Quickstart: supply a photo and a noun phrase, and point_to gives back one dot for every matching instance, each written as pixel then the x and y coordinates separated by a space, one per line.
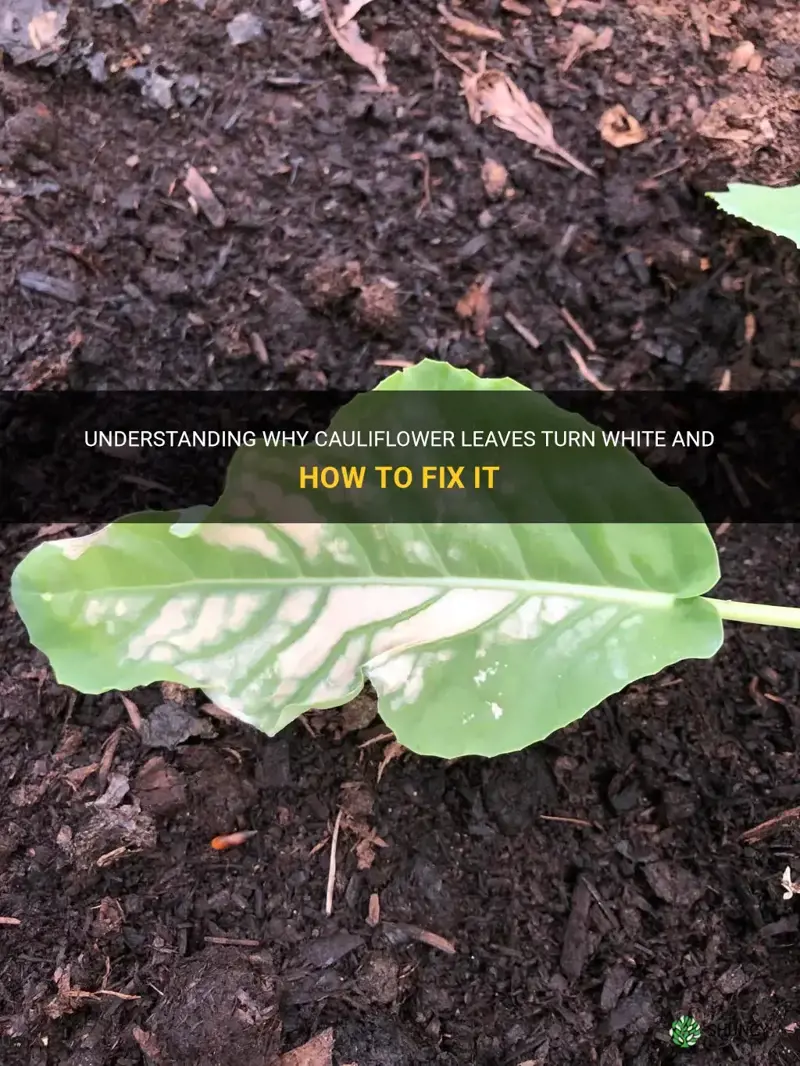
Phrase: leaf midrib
pixel 602 593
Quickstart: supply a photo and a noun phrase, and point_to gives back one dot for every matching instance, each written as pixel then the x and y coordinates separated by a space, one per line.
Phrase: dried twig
pixel 413 932
pixel 467 27
pixel 233 941
pixel 374 912
pixel 375 740
pixel 107 760
pixel 771 826
pixel 578 330
pixel 425 202
pixel 584 370
pixel 332 866
pixel 569 821
pixel 522 330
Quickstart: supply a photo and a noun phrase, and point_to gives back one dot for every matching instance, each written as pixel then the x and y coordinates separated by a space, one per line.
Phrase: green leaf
pixel 777 210
pixel 479 638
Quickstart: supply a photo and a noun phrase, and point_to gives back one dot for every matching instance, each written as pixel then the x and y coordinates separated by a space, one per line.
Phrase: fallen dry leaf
pixel 318 1051
pixel 582 38
pixel 467 27
pixel 147 1042
pixel 733 118
pixel 349 11
pixel 476 305
pixel 349 39
pixel 202 194
pixel 492 93
pixel 619 129
pixel 495 179
pixel 366 849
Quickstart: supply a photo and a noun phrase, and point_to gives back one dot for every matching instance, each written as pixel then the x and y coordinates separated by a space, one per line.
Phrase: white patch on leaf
pixel 237 662
pixel 76 546
pixel 307 536
pixel 484 675
pixel 297 606
pixel 240 538
pixel 94 612
pixel 534 614
pixel 452 614
pixel 162 653
pixel 244 606
pixel 173 618
pixel 346 609
pixel 208 626
pixel 341 551
pixel 419 551
pixel 573 637
pixel 341 676
pixel 496 709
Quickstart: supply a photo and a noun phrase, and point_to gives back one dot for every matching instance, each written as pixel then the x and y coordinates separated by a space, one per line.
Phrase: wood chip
pixel 374 912
pixel 133 712
pixel 516 8
pixel 147 1042
pixel 10 921
pixel 495 179
pixel 47 285
pixel 492 93
pixel 619 129
pixel 203 195
pixel 476 305
pixel 741 56
pixel 468 28
pixel 318 1051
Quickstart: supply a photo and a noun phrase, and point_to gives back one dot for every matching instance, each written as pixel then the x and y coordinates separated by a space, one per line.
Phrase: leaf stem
pixel 760 614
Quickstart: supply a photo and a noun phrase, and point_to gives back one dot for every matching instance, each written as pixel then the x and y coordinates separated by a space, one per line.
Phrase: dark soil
pixel 594 887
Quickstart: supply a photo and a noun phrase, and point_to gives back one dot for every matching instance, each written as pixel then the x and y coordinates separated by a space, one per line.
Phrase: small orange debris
pixel 495 179
pixel 374 913
pixel 620 129
pixel 232 840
